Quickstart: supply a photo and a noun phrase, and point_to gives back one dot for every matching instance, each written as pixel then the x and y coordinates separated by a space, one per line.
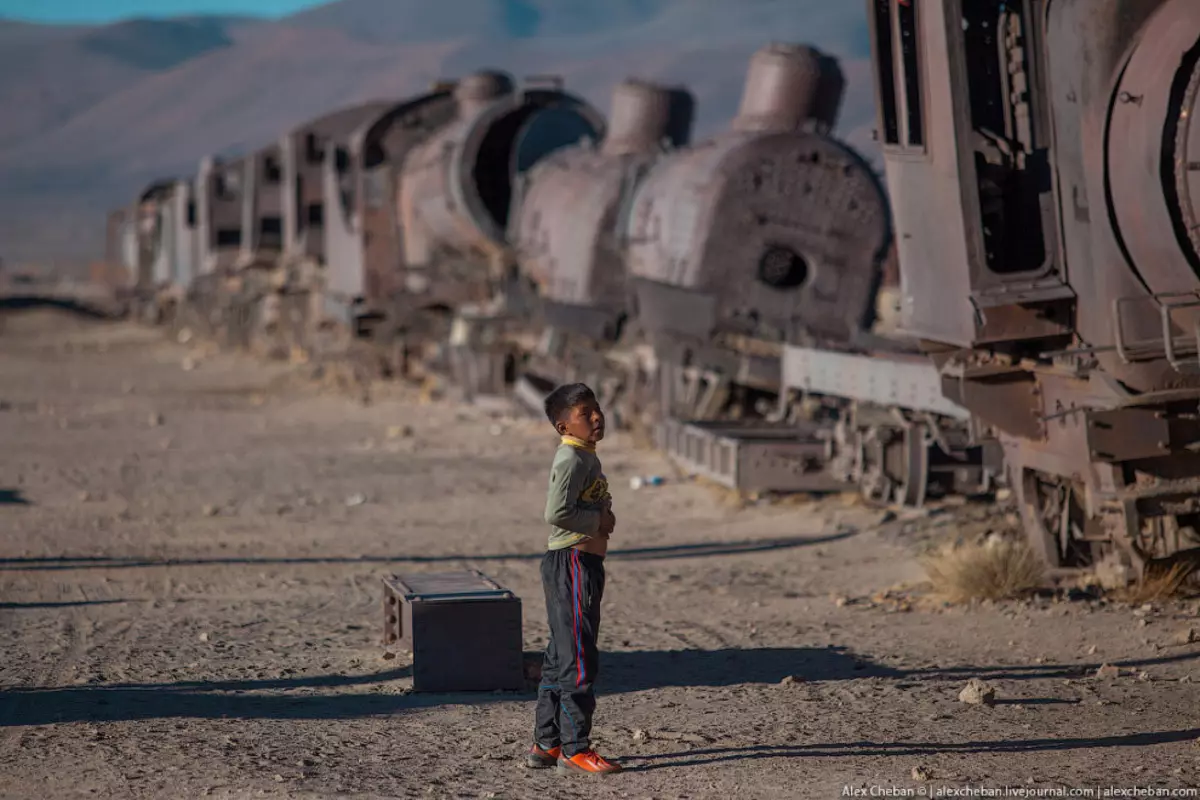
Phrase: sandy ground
pixel 190 606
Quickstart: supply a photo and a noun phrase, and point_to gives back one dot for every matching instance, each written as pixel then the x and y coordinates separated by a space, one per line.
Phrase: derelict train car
pixel 425 196
pixel 568 243
pixel 156 244
pixel 261 283
pixel 755 261
pixel 1042 161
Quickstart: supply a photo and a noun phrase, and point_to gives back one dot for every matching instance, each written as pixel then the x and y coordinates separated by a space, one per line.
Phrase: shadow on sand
pixel 718 755
pixel 696 550
pixel 13 497
pixel 62 604
pixel 323 696
pixel 30 302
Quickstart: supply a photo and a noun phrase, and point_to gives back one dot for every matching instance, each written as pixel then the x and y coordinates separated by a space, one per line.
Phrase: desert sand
pixel 191 548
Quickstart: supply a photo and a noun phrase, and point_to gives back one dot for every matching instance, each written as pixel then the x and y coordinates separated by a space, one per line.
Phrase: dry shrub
pixel 992 569
pixel 1157 585
pixel 794 499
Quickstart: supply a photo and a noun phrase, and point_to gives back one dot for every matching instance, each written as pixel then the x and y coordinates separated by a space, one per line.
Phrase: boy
pixel 579 511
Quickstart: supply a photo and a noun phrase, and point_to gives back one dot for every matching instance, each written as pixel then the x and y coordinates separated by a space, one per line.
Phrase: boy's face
pixel 584 421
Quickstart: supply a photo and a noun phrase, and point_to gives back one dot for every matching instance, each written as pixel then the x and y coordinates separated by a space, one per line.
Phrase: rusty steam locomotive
pixel 1042 161
pixel 735 295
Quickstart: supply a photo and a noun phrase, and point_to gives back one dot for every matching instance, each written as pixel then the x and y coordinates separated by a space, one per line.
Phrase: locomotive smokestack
pixel 788 87
pixel 480 88
pixel 644 114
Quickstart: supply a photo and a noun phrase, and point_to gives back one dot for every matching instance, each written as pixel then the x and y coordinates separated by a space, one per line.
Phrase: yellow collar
pixel 580 443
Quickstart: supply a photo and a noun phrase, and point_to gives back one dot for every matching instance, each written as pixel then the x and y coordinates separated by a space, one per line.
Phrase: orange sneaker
pixel 588 761
pixel 537 758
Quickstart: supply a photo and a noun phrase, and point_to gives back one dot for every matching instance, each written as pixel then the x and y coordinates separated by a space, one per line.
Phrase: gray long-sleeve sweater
pixel 577 493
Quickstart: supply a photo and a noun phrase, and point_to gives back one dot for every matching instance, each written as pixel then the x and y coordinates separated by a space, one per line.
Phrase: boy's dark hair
pixel 564 398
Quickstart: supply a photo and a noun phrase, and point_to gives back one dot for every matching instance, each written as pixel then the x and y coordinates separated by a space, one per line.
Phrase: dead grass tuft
pixel 1157 585
pixel 992 569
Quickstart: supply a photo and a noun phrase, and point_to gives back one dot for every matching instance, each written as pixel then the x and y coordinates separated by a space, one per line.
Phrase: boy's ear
pixel 561 427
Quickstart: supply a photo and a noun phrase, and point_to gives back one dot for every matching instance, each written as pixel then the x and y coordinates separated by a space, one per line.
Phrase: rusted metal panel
pixel 1128 434
pixel 303 152
pixel 262 205
pixel 784 231
pixel 886 380
pixel 362 231
pixel 1040 160
pixel 566 231
pixel 220 213
pixel 966 138
pixel 1153 155
pixel 567 228
pixel 457 188
pixel 753 456
pixel 1133 433
pixel 790 86
pixel 931 219
pixel 646 116
pixel 1009 399
pixel 442 617
pixel 1007 323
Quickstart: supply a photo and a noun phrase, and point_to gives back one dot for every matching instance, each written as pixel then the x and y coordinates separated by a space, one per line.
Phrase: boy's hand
pixel 607 521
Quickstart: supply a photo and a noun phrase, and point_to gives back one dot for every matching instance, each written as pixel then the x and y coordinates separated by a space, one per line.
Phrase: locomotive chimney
pixel 788 87
pixel 480 88
pixel 644 114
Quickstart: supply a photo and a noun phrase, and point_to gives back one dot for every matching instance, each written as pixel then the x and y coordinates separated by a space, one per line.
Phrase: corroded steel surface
pixel 456 188
pixel 363 233
pixel 303 152
pixel 566 232
pixel 1153 188
pixel 566 236
pixel 263 204
pixel 784 233
pixel 788 85
pixel 219 213
pixel 1042 161
pixel 645 116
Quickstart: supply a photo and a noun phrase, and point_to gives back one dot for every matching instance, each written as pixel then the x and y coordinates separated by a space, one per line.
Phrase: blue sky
pixel 108 10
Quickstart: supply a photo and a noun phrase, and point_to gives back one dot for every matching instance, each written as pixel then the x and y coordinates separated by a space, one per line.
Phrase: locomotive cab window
pixel 314 149
pixel 272 172
pixel 898 65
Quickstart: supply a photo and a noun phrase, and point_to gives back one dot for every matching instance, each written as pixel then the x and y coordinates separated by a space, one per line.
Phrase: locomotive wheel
pixel 893 465
pixel 873 481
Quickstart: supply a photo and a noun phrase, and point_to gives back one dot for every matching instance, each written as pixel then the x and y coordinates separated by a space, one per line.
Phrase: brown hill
pixel 125 104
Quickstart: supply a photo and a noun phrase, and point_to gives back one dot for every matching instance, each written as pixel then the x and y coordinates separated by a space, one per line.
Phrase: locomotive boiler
pixel 1041 159
pixel 756 259
pixel 457 193
pixel 567 240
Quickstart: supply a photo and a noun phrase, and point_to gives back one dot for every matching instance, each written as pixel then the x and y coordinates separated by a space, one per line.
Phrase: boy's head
pixel 573 410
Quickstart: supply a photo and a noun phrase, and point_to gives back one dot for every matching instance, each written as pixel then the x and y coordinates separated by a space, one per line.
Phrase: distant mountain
pixel 92 114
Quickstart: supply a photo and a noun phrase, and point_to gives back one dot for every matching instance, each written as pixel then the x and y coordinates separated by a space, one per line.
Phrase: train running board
pixel 752 456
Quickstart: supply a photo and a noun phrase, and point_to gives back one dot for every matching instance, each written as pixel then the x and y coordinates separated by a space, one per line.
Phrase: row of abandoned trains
pixel 1019 306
